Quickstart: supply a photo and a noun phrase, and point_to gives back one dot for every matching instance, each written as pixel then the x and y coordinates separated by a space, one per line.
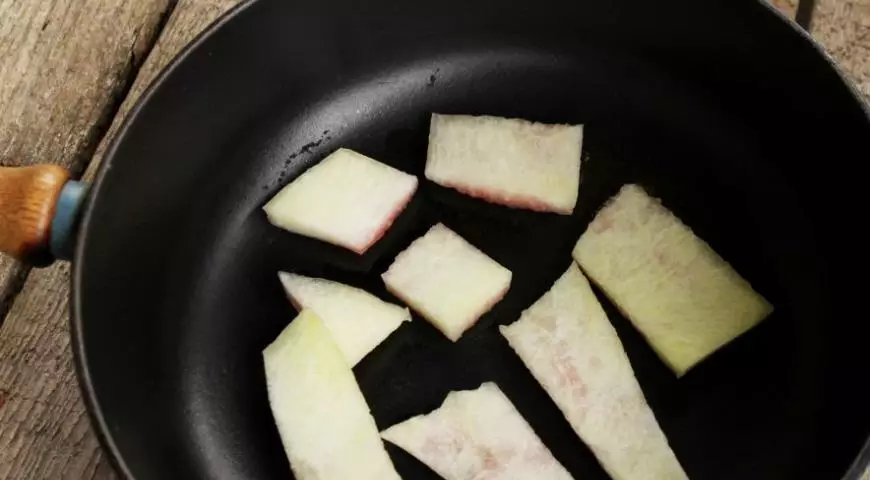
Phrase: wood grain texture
pixel 28 197
pixel 44 429
pixel 189 18
pixel 787 7
pixel 65 66
pixel 843 28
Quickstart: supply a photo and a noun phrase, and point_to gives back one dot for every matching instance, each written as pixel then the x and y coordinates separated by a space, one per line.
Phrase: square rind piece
pixel 347 199
pixel 509 161
pixel 686 300
pixel 447 280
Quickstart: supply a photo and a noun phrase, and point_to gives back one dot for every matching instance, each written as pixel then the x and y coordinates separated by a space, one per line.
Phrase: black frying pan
pixel 727 112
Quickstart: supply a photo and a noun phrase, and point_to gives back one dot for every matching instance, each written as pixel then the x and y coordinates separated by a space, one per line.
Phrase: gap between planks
pixel 44 429
pixel 12 284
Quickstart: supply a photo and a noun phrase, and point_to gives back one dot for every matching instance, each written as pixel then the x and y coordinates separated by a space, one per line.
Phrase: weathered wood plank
pixel 36 380
pixel 187 21
pixel 843 27
pixel 44 430
pixel 65 65
pixel 788 7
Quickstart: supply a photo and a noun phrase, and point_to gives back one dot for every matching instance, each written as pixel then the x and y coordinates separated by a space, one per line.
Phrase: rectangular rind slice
pixel 509 161
pixel 321 414
pixel 358 320
pixel 347 199
pixel 477 434
pixel 566 340
pixel 685 299
pixel 447 280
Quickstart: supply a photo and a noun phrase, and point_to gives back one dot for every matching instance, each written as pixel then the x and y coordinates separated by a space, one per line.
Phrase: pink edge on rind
pixel 513 201
pixel 294 303
pixel 388 222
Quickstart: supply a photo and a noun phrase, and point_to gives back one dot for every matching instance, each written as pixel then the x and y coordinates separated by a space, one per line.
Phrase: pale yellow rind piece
pixel 447 280
pixel 358 320
pixel 686 300
pixel 477 434
pixel 321 414
pixel 509 161
pixel 348 199
pixel 567 342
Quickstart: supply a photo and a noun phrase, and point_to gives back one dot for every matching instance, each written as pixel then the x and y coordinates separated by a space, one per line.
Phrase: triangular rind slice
pixel 447 280
pixel 686 300
pixel 321 414
pixel 509 161
pixel 477 434
pixel 358 320
pixel 347 199
pixel 569 345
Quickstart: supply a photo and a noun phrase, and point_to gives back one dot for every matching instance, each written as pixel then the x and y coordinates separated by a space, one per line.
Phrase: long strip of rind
pixel 358 320
pixel 321 414
pixel 475 435
pixel 567 342
pixel 510 161
pixel 685 299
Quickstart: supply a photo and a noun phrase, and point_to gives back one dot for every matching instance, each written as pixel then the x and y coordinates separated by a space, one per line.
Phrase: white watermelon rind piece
pixel 358 320
pixel 508 161
pixel 674 288
pixel 447 280
pixel 568 344
pixel 321 414
pixel 477 434
pixel 347 199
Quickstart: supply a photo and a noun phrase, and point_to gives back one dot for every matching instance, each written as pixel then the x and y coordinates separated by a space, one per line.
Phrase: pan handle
pixel 38 210
pixel 804 15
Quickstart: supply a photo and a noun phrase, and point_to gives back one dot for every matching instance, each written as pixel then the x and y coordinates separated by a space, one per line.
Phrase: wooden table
pixel 69 72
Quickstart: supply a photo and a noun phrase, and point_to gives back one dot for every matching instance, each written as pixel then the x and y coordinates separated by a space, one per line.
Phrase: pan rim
pixel 79 348
pixel 861 464
pixel 817 46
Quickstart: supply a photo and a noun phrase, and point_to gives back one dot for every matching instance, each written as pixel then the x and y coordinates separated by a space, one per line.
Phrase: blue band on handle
pixel 65 222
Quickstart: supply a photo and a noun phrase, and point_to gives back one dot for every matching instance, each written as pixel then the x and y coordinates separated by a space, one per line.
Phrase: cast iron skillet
pixel 719 107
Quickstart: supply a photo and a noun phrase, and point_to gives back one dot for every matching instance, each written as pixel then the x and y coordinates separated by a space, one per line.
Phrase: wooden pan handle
pixel 28 197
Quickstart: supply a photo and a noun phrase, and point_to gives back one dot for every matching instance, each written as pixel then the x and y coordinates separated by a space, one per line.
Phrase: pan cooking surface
pixel 243 307
pixel 189 268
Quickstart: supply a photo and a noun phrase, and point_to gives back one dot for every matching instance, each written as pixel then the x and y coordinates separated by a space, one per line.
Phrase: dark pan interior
pixel 720 109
